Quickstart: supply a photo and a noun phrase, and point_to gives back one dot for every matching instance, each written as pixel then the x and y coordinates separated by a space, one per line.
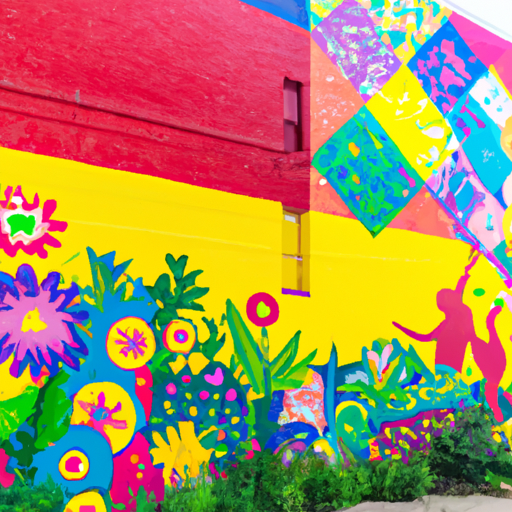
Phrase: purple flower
pixel 35 325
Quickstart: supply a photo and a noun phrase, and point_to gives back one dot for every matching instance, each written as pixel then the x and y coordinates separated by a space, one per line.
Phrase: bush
pixel 20 497
pixel 198 498
pixel 261 483
pixel 464 458
pixel 264 484
pixel 466 451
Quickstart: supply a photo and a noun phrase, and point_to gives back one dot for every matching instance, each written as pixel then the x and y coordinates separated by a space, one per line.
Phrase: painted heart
pixel 262 310
pixel 216 379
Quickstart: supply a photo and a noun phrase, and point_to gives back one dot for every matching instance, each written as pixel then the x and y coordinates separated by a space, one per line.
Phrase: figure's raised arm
pixel 415 335
pixel 464 279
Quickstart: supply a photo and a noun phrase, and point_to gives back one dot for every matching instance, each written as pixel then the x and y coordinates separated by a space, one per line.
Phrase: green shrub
pixel 197 498
pixel 467 452
pixel 397 481
pixel 388 480
pixel 264 484
pixel 24 498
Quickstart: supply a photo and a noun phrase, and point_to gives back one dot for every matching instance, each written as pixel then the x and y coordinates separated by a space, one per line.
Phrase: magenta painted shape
pixel 216 379
pixel 231 395
pixel 73 465
pixel 264 300
pixel 348 38
pixel 463 195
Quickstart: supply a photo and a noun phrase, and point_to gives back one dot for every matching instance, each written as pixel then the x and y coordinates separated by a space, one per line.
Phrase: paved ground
pixel 440 504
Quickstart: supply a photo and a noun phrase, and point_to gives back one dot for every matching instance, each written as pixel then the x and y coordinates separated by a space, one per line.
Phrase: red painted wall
pixel 189 90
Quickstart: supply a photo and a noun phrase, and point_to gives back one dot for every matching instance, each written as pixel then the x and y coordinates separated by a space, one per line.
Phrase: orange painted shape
pixel 325 199
pixel 423 215
pixel 333 98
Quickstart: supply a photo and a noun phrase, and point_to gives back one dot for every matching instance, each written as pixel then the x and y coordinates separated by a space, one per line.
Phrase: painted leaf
pixel 246 348
pixel 214 343
pixel 387 375
pixel 177 267
pixel 190 279
pixel 15 411
pixel 56 410
pixel 281 364
pixel 193 294
pixel 302 364
pixel 162 288
pixel 120 270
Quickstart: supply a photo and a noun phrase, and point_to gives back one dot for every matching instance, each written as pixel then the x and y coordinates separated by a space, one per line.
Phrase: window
pixel 292 116
pixel 295 253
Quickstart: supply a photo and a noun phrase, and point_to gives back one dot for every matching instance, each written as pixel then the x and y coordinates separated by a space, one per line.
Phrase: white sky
pixel 495 15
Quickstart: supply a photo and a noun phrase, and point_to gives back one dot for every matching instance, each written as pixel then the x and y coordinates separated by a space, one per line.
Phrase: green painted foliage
pixel 15 411
pixel 50 415
pixel 106 277
pixel 265 376
pixel 182 296
pixel 55 410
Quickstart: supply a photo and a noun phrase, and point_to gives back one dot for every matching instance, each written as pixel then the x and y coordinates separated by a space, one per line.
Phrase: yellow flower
pixel 181 452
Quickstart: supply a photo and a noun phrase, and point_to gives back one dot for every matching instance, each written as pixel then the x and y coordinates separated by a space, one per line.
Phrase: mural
pixel 118 381
pixel 108 387
pixel 428 122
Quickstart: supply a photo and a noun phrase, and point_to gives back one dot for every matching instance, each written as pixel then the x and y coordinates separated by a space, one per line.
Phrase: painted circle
pixel 74 465
pixel 86 501
pixel 107 408
pixel 179 337
pixel 88 441
pixel 262 309
pixel 130 343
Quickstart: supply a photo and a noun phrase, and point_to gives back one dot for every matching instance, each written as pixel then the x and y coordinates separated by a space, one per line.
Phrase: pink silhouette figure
pixel 492 361
pixel 457 329
pixel 455 332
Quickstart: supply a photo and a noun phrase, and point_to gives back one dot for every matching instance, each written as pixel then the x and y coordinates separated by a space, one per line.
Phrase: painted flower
pixel 107 408
pixel 101 416
pixel 379 365
pixel 35 324
pixel 179 337
pixel 181 453
pixel 130 343
pixel 26 226
pixel 262 309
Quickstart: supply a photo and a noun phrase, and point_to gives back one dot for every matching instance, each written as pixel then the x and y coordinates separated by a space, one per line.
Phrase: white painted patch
pixel 492 98
pixel 434 132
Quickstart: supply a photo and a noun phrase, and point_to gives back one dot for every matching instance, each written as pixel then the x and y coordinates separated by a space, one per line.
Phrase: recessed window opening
pixel 295 254
pixel 292 116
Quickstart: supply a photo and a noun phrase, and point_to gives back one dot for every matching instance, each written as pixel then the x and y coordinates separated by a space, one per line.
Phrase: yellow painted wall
pixel 359 285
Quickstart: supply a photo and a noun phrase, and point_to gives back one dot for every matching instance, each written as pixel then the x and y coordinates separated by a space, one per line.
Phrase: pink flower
pixel 100 415
pixel 36 325
pixel 26 226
